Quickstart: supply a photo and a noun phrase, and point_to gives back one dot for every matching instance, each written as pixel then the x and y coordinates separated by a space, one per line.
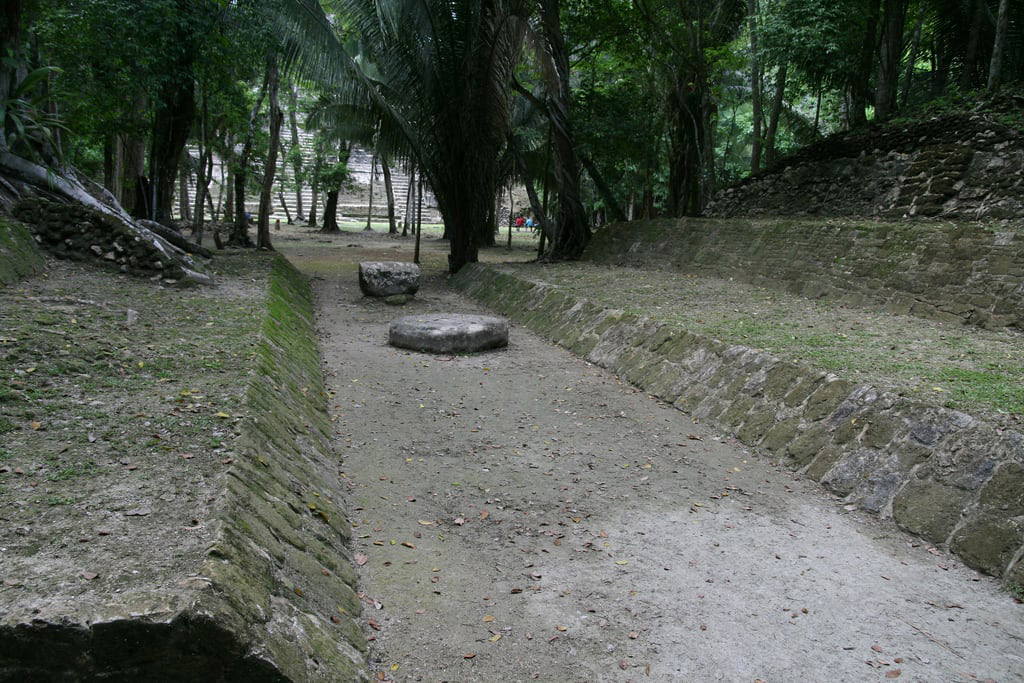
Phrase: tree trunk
pixel 572 232
pixel 389 188
pixel 915 46
pixel 172 121
pixel 489 228
pixel 996 65
pixel 969 78
pixel 281 182
pixel 281 200
pixel 229 198
pixel 408 203
pixel 687 138
pixel 10 46
pixel 511 213
pixel 184 210
pixel 419 218
pixel 860 86
pixel 369 210
pixel 603 188
pixel 203 170
pixel 889 58
pixel 293 123
pixel 775 115
pixel 239 236
pixel 331 212
pixel 276 118
pixel 755 89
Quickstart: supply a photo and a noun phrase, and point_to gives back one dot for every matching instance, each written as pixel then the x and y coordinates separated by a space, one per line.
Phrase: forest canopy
pixel 602 110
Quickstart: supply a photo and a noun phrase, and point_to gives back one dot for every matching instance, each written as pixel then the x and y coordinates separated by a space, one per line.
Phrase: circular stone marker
pixel 449 333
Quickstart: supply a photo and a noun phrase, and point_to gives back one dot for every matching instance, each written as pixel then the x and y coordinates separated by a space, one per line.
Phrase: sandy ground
pixel 523 515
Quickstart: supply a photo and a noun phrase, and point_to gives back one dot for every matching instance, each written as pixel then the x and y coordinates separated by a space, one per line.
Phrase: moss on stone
pixel 928 509
pixel 19 256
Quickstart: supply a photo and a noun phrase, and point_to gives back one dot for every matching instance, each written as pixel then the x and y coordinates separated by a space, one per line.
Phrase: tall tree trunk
pixel 330 222
pixel 891 51
pixel 755 88
pixel 276 118
pixel 545 225
pixel 915 47
pixel 204 169
pixel 408 202
pixel 603 188
pixel 511 213
pixel 240 230
pixel 281 183
pixel 389 188
pixel 419 218
pixel 10 46
pixel 996 65
pixel 490 227
pixel 688 129
pixel 572 232
pixel 860 83
pixel 369 208
pixel 229 198
pixel 972 58
pixel 282 201
pixel 113 162
pixel 293 123
pixel 172 121
pixel 817 111
pixel 184 175
pixel 419 207
pixel 775 115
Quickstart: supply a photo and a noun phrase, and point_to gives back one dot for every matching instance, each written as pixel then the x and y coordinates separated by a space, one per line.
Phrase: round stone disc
pixel 449 333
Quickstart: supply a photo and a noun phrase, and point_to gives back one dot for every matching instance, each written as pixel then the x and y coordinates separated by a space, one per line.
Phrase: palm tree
pixel 438 72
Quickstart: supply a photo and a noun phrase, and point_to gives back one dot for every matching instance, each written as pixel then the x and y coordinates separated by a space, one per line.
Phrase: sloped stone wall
pixel 273 598
pixel 958 167
pixel 19 256
pixel 956 273
pixel 944 475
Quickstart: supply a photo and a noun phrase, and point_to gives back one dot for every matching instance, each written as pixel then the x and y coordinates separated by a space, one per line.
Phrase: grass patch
pixel 970 369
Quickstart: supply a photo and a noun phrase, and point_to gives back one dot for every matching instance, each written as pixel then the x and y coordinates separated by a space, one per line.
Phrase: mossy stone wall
pixel 944 475
pixel 273 598
pixel 962 273
pixel 19 256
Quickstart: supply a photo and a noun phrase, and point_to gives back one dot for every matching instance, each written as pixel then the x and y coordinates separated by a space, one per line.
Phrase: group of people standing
pixel 526 221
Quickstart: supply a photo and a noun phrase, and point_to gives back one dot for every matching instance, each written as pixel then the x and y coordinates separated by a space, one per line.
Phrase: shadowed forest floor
pixel 524 515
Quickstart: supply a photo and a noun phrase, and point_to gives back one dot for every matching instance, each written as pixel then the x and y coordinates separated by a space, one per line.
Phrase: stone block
pixel 388 278
pixel 449 333
pixel 1005 490
pixel 988 543
pixel 806 446
pixel 756 425
pixel 929 509
pixel 779 436
pixel 826 399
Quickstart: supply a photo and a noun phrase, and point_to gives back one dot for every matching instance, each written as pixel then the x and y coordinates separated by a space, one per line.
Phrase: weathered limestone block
pixel 988 543
pixel 449 333
pixel 928 509
pixel 388 278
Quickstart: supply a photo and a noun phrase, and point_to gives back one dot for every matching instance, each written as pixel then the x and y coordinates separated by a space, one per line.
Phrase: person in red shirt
pixel 520 221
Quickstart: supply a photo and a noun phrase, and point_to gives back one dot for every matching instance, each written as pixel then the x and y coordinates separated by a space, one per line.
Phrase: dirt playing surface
pixel 522 514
